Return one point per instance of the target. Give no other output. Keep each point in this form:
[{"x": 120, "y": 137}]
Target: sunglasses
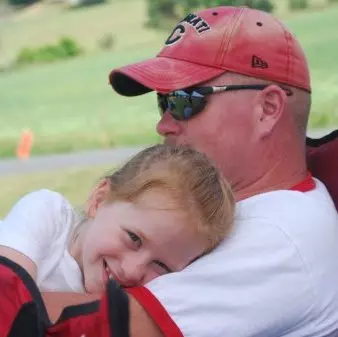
[{"x": 187, "y": 103}]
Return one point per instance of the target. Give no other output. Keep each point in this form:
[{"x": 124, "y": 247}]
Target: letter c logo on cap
[{"x": 176, "y": 35}]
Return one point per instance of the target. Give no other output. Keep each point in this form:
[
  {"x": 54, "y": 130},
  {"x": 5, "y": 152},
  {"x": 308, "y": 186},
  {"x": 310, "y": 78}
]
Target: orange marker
[{"x": 25, "y": 145}]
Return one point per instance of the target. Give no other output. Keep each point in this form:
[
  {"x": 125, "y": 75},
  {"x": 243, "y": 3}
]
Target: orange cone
[{"x": 25, "y": 144}]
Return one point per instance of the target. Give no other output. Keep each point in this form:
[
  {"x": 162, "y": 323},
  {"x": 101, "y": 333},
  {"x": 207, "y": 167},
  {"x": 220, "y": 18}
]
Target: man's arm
[{"x": 141, "y": 323}]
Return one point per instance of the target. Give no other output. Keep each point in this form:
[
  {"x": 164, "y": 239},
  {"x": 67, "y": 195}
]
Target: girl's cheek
[
  {"x": 113, "y": 249},
  {"x": 151, "y": 274}
]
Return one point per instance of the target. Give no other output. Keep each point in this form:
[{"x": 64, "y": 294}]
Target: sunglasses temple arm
[{"x": 211, "y": 90}]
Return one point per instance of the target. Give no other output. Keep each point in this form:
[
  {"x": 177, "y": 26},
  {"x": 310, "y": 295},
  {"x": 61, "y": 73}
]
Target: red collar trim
[{"x": 308, "y": 184}]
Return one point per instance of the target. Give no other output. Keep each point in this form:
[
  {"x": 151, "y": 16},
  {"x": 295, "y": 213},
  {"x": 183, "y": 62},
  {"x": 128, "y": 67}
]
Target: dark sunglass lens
[
  {"x": 171, "y": 106},
  {"x": 187, "y": 112},
  {"x": 162, "y": 103},
  {"x": 186, "y": 105},
  {"x": 181, "y": 104},
  {"x": 177, "y": 104}
]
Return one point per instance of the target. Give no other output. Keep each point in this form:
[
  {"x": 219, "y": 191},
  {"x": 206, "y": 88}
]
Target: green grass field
[
  {"x": 70, "y": 106},
  {"x": 75, "y": 184}
]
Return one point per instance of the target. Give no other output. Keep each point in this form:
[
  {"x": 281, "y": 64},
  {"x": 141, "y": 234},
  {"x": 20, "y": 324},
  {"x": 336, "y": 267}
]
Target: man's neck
[
  {"x": 283, "y": 176},
  {"x": 260, "y": 187}
]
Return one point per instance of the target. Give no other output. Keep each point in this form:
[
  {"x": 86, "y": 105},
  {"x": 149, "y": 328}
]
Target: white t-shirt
[
  {"x": 277, "y": 274},
  {"x": 39, "y": 226}
]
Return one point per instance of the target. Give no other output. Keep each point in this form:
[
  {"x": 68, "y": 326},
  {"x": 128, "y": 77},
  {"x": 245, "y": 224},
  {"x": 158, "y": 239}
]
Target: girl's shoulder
[
  {"x": 46, "y": 200},
  {"x": 44, "y": 196},
  {"x": 38, "y": 224},
  {"x": 44, "y": 208}
]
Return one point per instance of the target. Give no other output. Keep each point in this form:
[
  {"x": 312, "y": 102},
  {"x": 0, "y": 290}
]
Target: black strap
[
  {"x": 31, "y": 286},
  {"x": 118, "y": 310},
  {"x": 27, "y": 322}
]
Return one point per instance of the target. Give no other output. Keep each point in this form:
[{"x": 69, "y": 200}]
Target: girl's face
[{"x": 134, "y": 243}]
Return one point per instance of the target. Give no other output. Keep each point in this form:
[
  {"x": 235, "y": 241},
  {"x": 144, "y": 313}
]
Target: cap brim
[{"x": 161, "y": 74}]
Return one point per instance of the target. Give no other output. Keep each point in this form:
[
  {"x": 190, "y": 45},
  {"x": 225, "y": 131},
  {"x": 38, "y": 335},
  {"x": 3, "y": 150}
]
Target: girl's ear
[{"x": 97, "y": 197}]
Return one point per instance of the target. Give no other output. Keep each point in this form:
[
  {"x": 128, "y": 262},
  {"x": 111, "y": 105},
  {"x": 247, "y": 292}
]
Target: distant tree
[
  {"x": 161, "y": 10},
  {"x": 298, "y": 4},
  {"x": 66, "y": 48},
  {"x": 18, "y": 3}
]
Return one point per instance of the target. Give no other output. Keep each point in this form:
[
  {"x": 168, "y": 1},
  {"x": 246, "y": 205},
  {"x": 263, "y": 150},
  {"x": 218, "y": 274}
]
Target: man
[{"x": 234, "y": 83}]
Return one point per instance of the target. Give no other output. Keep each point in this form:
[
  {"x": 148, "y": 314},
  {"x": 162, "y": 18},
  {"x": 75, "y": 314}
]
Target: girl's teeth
[{"x": 109, "y": 275}]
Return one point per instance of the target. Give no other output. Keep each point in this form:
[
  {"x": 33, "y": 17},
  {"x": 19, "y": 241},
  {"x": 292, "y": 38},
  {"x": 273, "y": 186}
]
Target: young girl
[{"x": 158, "y": 213}]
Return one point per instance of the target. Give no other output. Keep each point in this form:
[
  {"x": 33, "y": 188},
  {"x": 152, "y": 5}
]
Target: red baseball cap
[{"x": 205, "y": 45}]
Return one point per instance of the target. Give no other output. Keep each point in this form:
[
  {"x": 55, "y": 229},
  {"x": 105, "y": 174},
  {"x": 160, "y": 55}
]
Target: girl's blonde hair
[{"x": 193, "y": 183}]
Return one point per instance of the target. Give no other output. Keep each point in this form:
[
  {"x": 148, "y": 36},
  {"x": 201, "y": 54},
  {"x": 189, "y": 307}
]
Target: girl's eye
[
  {"x": 163, "y": 266},
  {"x": 135, "y": 239}
]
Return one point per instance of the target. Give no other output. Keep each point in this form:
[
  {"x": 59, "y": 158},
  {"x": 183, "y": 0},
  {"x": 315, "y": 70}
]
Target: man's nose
[{"x": 168, "y": 126}]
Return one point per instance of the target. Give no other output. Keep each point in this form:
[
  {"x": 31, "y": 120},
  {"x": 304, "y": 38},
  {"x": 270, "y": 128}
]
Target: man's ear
[
  {"x": 270, "y": 106},
  {"x": 98, "y": 196}
]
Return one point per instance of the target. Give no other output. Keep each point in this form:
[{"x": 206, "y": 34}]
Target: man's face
[{"x": 223, "y": 130}]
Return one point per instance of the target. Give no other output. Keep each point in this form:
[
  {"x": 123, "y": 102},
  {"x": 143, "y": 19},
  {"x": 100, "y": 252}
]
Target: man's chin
[
  {"x": 175, "y": 142},
  {"x": 169, "y": 141}
]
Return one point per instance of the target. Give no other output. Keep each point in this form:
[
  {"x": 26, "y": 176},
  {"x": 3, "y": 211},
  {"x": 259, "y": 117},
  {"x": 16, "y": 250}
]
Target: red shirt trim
[
  {"x": 308, "y": 184},
  {"x": 156, "y": 311},
  {"x": 154, "y": 307}
]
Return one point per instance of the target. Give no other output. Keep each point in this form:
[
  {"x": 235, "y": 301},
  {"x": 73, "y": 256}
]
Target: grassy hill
[
  {"x": 69, "y": 105},
  {"x": 45, "y": 22}
]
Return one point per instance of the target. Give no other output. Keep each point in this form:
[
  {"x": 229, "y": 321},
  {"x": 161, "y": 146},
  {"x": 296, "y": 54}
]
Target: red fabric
[
  {"x": 23, "y": 313},
  {"x": 14, "y": 295},
  {"x": 306, "y": 185},
  {"x": 214, "y": 40},
  {"x": 108, "y": 317},
  {"x": 157, "y": 312},
  {"x": 322, "y": 154},
  {"x": 81, "y": 323}
]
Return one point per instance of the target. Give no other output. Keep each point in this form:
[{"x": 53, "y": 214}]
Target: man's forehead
[
  {"x": 229, "y": 77},
  {"x": 225, "y": 78}
]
